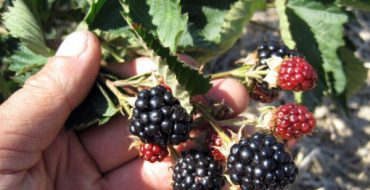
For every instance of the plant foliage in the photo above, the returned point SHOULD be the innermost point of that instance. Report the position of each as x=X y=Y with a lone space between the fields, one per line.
x=162 y=29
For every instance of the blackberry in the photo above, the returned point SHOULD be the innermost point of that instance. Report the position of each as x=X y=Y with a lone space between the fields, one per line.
x=197 y=171
x=296 y=74
x=158 y=118
x=262 y=93
x=292 y=121
x=260 y=162
x=269 y=48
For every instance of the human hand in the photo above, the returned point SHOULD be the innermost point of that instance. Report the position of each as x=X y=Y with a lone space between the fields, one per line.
x=37 y=153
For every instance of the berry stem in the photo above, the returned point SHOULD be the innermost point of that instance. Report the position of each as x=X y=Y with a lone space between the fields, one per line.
x=256 y=74
x=221 y=75
x=120 y=96
x=239 y=121
x=135 y=81
x=237 y=72
x=244 y=73
x=115 y=54
x=213 y=123
x=174 y=154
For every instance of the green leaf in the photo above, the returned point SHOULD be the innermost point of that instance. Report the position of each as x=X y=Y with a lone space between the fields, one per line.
x=306 y=44
x=358 y=4
x=355 y=71
x=104 y=15
x=25 y=63
x=214 y=26
x=21 y=24
x=40 y=9
x=235 y=21
x=187 y=77
x=169 y=21
x=317 y=31
x=97 y=108
x=107 y=111
x=284 y=24
x=163 y=18
x=95 y=6
x=119 y=44
x=177 y=90
x=326 y=23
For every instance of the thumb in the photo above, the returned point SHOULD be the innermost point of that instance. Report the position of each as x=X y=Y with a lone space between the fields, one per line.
x=32 y=117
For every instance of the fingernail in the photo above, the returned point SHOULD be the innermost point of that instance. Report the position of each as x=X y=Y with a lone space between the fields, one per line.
x=74 y=45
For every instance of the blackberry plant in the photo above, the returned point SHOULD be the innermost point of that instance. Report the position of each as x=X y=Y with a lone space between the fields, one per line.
x=309 y=55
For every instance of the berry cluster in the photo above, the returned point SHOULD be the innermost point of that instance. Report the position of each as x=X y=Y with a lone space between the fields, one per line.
x=293 y=121
x=296 y=74
x=261 y=92
x=255 y=163
x=261 y=162
x=153 y=153
x=158 y=118
x=197 y=170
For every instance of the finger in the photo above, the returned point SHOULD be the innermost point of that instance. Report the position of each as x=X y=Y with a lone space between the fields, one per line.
x=137 y=66
x=147 y=176
x=232 y=92
x=31 y=118
x=108 y=145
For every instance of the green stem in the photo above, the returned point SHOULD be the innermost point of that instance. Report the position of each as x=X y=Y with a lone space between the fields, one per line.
x=113 y=53
x=136 y=83
x=221 y=75
x=239 y=121
x=213 y=123
x=121 y=97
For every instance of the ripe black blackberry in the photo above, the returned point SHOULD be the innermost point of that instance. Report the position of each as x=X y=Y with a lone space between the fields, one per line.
x=197 y=171
x=269 y=48
x=158 y=118
x=260 y=162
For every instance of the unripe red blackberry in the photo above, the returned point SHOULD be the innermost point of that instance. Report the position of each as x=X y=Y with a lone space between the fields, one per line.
x=158 y=118
x=197 y=170
x=292 y=121
x=153 y=153
x=296 y=74
x=261 y=162
x=213 y=141
x=262 y=93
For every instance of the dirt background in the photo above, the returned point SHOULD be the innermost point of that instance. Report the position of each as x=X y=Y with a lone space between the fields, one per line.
x=337 y=155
